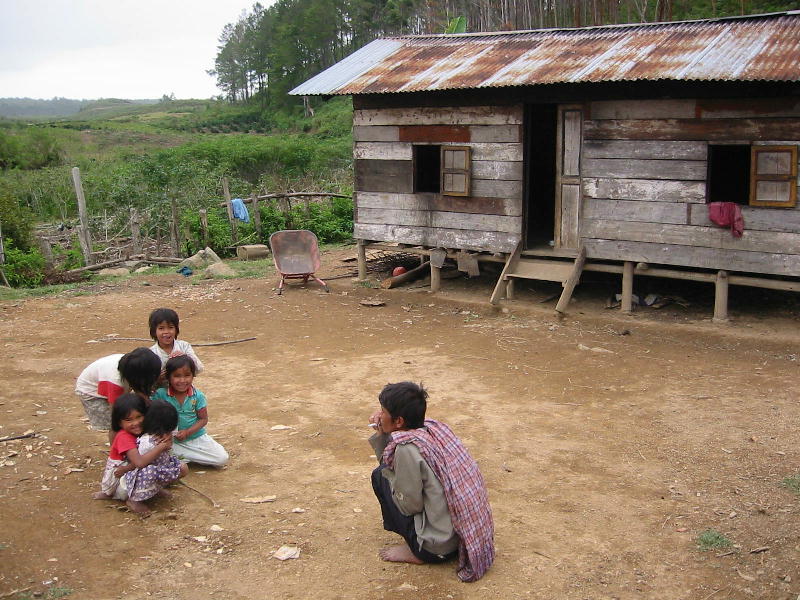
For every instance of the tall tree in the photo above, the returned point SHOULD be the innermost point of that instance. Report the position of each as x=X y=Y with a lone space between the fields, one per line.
x=267 y=51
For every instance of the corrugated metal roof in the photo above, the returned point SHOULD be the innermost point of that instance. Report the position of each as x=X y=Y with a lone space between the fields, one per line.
x=761 y=47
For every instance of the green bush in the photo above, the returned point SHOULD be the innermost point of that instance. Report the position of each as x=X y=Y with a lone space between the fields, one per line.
x=16 y=221
x=23 y=269
x=219 y=231
x=331 y=222
x=71 y=258
x=9 y=150
x=29 y=148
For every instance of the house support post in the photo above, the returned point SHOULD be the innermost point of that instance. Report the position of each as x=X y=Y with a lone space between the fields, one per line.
x=721 y=297
x=510 y=289
x=436 y=278
x=627 y=287
x=362 y=260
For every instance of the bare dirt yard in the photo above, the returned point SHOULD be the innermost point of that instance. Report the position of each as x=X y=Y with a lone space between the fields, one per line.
x=609 y=443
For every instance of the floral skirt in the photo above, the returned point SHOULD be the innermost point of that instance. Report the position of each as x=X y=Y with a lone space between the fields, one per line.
x=146 y=482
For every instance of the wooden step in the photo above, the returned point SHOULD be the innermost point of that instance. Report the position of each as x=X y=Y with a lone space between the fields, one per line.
x=543 y=270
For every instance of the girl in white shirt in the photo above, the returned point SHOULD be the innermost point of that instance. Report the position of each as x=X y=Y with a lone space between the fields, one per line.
x=164 y=329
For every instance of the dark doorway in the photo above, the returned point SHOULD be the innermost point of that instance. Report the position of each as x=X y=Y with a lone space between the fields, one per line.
x=540 y=174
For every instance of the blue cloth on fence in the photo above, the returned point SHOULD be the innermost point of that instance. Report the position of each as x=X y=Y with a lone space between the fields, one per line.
x=240 y=210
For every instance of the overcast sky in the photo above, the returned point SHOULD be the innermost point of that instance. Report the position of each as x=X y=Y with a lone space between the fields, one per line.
x=111 y=48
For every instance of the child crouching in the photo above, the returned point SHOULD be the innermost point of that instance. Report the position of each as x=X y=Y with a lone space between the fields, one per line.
x=154 y=467
x=127 y=415
x=430 y=489
x=192 y=443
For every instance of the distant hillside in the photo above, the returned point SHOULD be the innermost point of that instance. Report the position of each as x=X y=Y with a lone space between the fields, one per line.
x=58 y=107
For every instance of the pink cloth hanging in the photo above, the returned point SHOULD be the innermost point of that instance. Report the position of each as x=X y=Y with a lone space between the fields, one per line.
x=727 y=214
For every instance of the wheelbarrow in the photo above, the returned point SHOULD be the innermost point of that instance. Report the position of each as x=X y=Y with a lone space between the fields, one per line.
x=296 y=256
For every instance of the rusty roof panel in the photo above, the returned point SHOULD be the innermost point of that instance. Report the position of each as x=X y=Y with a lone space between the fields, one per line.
x=761 y=47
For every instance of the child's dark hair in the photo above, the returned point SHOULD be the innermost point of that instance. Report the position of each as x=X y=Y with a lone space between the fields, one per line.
x=160 y=315
x=140 y=368
x=405 y=399
x=176 y=362
x=161 y=418
x=123 y=406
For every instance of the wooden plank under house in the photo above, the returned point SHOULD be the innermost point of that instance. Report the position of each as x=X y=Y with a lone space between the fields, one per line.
x=610 y=162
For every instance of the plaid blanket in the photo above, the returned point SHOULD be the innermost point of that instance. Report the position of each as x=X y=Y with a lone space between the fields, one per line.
x=464 y=490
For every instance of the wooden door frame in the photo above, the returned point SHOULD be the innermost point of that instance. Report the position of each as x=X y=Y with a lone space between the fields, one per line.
x=569 y=179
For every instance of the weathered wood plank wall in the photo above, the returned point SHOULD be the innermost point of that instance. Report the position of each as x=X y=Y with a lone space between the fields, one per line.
x=644 y=184
x=389 y=209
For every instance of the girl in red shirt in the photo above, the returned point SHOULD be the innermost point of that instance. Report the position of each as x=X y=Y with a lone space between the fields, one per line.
x=128 y=420
x=127 y=416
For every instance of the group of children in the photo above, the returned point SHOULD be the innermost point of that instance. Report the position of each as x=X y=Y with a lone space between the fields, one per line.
x=430 y=489
x=155 y=416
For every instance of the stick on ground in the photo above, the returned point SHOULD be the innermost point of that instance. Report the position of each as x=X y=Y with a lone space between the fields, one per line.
x=127 y=339
x=209 y=498
x=13 y=592
x=18 y=437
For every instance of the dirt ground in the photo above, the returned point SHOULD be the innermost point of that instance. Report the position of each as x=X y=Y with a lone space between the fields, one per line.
x=608 y=443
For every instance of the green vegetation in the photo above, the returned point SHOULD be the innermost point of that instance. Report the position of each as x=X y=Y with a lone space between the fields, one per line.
x=144 y=156
x=712 y=539
x=792 y=484
x=27 y=147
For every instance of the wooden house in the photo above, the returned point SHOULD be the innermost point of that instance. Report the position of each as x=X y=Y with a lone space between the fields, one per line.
x=599 y=148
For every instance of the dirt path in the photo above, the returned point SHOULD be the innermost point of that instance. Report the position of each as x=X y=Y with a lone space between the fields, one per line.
x=608 y=445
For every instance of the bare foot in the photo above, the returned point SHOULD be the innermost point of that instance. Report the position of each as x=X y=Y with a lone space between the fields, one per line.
x=101 y=496
x=400 y=553
x=140 y=508
x=164 y=494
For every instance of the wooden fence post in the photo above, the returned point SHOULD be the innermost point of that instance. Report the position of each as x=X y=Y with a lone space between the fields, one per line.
x=256 y=217
x=289 y=222
x=174 y=230
x=234 y=228
x=204 y=226
x=84 y=237
x=47 y=252
x=136 y=234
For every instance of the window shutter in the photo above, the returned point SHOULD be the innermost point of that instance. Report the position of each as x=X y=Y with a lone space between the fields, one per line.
x=455 y=171
x=773 y=176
